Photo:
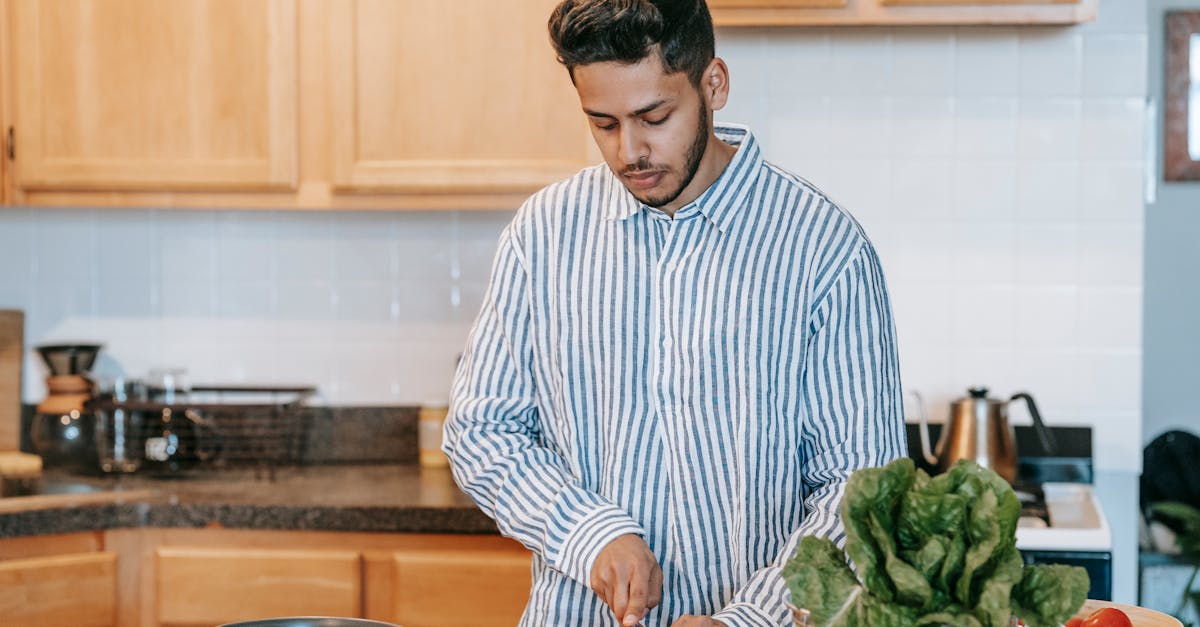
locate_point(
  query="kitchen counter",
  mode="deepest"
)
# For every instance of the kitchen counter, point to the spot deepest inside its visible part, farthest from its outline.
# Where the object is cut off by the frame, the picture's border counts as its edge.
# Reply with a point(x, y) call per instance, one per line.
point(374, 498)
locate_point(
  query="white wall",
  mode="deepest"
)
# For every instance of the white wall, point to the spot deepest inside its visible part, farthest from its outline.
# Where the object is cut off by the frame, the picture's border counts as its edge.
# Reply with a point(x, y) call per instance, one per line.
point(371, 307)
point(998, 170)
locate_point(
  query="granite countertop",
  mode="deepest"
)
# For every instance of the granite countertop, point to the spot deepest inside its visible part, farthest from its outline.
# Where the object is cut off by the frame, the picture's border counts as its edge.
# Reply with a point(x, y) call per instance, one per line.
point(375, 498)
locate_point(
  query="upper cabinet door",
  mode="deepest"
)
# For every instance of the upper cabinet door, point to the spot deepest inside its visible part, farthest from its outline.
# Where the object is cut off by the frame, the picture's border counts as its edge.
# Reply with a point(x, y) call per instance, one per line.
point(460, 97)
point(151, 95)
point(899, 12)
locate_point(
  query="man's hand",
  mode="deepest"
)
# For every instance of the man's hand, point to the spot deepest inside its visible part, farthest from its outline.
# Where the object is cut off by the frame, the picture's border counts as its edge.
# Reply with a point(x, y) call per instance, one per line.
point(687, 620)
point(627, 577)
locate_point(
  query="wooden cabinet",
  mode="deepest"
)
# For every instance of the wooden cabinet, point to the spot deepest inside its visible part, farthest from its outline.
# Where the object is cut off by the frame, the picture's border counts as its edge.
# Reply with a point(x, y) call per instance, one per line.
point(321, 104)
point(144, 94)
point(5, 113)
point(899, 12)
point(57, 580)
point(188, 577)
point(465, 586)
point(202, 585)
point(286, 103)
point(436, 97)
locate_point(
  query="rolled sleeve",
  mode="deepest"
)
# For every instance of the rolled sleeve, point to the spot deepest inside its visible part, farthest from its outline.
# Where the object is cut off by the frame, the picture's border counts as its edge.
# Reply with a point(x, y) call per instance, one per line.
point(493, 437)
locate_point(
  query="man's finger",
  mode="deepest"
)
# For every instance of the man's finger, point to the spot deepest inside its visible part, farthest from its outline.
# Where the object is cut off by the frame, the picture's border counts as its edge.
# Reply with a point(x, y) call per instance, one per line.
point(601, 587)
point(654, 596)
point(636, 608)
point(620, 595)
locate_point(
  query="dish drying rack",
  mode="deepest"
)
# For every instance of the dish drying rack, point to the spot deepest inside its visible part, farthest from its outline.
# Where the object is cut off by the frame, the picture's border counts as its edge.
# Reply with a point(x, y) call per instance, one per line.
point(258, 426)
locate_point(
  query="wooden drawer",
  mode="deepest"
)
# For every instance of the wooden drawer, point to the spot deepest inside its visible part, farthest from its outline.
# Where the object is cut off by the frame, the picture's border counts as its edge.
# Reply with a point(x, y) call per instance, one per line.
point(207, 586)
point(77, 589)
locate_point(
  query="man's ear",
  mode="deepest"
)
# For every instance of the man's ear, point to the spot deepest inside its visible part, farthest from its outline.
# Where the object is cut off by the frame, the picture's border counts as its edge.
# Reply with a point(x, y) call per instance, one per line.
point(714, 84)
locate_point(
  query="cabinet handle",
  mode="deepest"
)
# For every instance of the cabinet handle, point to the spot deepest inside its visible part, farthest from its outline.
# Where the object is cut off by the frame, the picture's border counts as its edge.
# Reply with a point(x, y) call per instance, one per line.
point(12, 145)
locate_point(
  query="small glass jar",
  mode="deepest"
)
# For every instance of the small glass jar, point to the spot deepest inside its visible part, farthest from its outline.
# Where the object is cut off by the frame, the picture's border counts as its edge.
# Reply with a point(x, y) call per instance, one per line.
point(119, 426)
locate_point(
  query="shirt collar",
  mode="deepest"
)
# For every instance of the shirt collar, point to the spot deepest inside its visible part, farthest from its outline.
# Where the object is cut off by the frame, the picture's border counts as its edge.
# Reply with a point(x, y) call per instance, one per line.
point(722, 200)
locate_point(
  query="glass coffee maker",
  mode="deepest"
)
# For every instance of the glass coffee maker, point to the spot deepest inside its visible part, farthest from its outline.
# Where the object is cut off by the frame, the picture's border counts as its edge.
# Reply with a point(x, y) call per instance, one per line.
point(63, 429)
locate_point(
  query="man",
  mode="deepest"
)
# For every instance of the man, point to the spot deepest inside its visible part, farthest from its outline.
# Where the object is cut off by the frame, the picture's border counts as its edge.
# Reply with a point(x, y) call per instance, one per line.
point(683, 353)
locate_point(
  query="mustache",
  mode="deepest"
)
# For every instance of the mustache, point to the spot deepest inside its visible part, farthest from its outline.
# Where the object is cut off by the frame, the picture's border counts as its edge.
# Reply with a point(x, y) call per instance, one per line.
point(642, 166)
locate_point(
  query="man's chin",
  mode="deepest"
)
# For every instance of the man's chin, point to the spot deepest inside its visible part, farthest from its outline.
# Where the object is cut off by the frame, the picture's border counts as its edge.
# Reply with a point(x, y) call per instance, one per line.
point(658, 202)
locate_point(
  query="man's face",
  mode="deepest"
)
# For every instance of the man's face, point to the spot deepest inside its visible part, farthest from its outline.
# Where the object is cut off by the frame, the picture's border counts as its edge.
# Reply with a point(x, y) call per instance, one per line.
point(651, 127)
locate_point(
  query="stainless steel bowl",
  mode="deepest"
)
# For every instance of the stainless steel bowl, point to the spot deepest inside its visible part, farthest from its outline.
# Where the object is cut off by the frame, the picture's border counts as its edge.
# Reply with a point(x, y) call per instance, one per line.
point(310, 621)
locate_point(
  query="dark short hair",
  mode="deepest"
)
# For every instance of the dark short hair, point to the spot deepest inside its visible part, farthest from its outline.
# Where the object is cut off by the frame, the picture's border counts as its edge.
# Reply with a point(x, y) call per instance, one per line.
point(627, 31)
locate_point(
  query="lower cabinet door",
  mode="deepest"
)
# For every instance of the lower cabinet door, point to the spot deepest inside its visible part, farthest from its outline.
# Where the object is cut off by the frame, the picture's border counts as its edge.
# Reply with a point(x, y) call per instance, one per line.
point(210, 586)
point(78, 589)
point(466, 587)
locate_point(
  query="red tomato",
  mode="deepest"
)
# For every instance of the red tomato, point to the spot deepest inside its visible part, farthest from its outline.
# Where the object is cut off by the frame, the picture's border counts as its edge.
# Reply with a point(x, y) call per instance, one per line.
point(1074, 622)
point(1107, 617)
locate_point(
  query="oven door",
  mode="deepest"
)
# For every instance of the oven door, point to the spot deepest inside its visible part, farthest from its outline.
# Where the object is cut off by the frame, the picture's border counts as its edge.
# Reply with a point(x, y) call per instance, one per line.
point(1098, 565)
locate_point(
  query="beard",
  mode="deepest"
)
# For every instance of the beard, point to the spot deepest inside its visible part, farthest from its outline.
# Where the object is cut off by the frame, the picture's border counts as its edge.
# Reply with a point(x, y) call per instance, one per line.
point(692, 163)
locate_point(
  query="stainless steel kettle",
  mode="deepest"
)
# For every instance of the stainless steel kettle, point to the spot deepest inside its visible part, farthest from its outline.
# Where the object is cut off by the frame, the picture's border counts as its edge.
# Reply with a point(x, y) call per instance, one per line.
point(978, 429)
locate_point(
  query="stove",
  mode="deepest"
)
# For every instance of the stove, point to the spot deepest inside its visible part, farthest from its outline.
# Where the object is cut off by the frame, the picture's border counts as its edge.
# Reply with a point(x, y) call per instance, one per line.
point(1061, 517)
point(1063, 523)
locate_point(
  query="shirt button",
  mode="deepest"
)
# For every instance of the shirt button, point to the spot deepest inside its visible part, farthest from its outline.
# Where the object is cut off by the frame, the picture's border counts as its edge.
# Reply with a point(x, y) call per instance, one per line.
point(666, 342)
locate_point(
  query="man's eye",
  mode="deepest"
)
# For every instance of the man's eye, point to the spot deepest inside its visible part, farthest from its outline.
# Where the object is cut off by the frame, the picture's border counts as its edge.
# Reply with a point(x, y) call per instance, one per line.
point(658, 121)
point(606, 127)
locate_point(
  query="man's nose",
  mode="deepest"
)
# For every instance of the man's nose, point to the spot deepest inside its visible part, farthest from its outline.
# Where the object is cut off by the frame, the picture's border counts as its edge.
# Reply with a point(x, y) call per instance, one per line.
point(633, 146)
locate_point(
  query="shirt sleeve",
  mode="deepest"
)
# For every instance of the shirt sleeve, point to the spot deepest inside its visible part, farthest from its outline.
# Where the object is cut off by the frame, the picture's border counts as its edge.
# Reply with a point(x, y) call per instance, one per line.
point(855, 419)
point(493, 436)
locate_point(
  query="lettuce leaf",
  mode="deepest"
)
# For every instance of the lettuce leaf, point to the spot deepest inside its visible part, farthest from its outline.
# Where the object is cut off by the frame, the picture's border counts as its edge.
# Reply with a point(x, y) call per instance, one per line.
point(1049, 594)
point(820, 581)
point(874, 491)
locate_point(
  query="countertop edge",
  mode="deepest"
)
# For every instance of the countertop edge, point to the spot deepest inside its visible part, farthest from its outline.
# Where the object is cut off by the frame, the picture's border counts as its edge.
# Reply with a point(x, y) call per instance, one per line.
point(143, 514)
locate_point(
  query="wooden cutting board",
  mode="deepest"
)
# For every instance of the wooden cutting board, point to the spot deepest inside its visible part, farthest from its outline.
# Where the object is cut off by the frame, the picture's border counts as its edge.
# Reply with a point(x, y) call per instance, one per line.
point(12, 352)
point(1139, 616)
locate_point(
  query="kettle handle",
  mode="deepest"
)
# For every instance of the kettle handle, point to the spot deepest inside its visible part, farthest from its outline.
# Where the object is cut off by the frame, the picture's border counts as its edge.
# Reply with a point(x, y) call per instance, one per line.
point(926, 450)
point(1047, 438)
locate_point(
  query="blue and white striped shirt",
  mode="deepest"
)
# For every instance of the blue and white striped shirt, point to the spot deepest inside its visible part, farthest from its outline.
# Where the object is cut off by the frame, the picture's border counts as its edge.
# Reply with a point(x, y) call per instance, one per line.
point(708, 381)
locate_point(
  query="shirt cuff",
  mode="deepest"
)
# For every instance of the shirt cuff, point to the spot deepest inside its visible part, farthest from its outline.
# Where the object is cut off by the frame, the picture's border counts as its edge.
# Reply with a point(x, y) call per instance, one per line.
point(746, 615)
point(590, 529)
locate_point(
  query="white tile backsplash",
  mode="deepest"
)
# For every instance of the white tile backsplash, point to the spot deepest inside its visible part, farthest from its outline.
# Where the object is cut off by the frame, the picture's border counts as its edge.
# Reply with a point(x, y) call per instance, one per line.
point(997, 169)
point(1048, 192)
point(1111, 128)
point(984, 316)
point(1111, 256)
point(985, 190)
point(1110, 318)
point(987, 62)
point(922, 62)
point(1051, 61)
point(985, 127)
point(1114, 64)
point(988, 253)
point(799, 64)
point(1047, 255)
point(860, 62)
point(1111, 193)
point(1047, 317)
point(860, 126)
point(1049, 128)
point(921, 189)
point(64, 246)
point(927, 129)
point(127, 247)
